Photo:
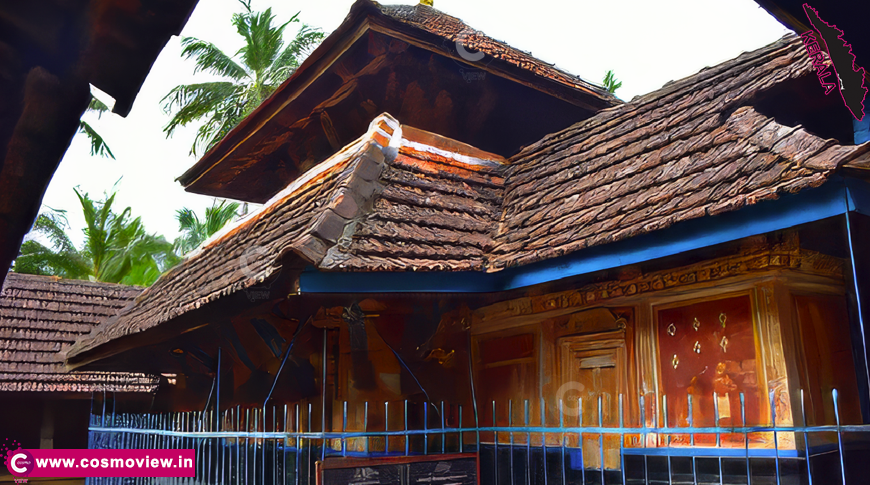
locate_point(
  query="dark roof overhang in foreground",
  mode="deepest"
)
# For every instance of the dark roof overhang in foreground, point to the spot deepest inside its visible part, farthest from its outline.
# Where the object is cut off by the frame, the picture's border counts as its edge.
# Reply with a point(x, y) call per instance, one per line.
point(50, 53)
point(849, 16)
point(424, 67)
point(702, 161)
point(41, 317)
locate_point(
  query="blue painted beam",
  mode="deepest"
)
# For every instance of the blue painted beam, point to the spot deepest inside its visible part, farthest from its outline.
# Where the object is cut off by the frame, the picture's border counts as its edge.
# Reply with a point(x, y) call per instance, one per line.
point(835, 197)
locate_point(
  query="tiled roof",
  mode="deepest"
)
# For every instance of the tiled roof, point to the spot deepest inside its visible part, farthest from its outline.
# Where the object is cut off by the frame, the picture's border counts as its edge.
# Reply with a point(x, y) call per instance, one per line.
point(437, 209)
point(452, 29)
point(692, 149)
point(40, 317)
point(308, 217)
point(276, 122)
point(401, 199)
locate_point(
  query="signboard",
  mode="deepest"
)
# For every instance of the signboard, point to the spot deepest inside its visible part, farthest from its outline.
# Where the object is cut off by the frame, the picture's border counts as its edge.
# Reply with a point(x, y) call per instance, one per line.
point(458, 469)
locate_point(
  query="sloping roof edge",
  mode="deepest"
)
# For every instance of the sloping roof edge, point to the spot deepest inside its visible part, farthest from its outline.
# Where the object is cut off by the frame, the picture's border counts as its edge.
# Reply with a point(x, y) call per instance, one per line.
point(355, 169)
point(365, 15)
point(40, 317)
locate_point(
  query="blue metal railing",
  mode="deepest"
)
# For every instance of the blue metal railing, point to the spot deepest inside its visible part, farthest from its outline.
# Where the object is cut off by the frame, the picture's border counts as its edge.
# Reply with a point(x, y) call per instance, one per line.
point(239, 446)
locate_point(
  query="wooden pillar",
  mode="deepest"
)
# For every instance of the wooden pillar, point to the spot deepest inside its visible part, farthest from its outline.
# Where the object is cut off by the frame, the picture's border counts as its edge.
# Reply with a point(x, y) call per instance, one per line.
point(857, 277)
point(46, 429)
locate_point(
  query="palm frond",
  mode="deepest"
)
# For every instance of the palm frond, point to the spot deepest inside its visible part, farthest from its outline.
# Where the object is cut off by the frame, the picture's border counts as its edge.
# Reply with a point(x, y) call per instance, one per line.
point(60, 259)
point(195, 231)
point(97, 106)
point(34, 258)
point(216, 128)
point(262, 64)
point(219, 214)
point(98, 217)
point(98, 145)
point(194, 101)
point(209, 58)
point(53, 225)
point(286, 63)
point(263, 41)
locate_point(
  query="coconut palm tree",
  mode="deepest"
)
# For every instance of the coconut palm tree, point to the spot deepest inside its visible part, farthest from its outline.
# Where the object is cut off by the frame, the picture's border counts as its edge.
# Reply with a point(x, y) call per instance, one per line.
point(252, 75)
point(117, 249)
point(195, 231)
point(98, 145)
point(60, 259)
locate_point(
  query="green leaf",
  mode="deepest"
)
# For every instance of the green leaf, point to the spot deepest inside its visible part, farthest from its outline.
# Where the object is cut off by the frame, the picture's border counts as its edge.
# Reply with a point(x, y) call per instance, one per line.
point(252, 74)
point(97, 106)
point(210, 58)
point(98, 145)
point(195, 231)
point(610, 82)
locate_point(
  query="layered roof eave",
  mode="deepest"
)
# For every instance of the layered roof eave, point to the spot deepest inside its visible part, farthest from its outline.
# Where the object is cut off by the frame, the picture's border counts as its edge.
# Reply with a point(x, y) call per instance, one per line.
point(366, 15)
point(40, 318)
point(415, 201)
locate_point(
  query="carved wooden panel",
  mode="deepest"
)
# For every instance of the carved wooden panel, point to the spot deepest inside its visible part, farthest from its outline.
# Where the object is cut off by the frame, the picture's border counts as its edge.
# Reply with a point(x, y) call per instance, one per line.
point(704, 348)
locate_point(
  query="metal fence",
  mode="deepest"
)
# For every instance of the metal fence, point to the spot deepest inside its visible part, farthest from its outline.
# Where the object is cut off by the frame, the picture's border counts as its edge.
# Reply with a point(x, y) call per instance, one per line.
point(280, 445)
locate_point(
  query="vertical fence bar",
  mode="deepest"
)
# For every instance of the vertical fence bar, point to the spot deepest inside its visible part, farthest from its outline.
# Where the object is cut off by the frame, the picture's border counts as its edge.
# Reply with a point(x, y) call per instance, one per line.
point(511, 436)
point(274, 446)
point(718, 433)
point(386, 427)
point(211, 447)
point(836, 396)
point(580, 439)
point(284, 447)
point(257, 420)
point(426, 428)
point(298, 442)
point(224, 449)
point(366, 426)
point(562, 437)
point(323, 360)
point(622, 439)
point(692, 438)
point(443, 435)
point(461, 437)
point(407, 436)
point(667, 438)
point(495, 444)
point(745, 438)
point(308, 457)
point(775, 441)
point(544, 437)
point(344, 429)
point(601, 438)
point(528, 443)
point(238, 446)
point(806, 439)
point(247, 441)
point(642, 405)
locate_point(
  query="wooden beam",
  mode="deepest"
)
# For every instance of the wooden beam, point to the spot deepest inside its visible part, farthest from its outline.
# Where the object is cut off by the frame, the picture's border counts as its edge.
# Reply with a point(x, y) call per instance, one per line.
point(329, 131)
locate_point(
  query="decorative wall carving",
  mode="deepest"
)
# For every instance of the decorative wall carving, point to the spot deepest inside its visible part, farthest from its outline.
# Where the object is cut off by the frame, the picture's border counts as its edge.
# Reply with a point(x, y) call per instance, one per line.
point(758, 255)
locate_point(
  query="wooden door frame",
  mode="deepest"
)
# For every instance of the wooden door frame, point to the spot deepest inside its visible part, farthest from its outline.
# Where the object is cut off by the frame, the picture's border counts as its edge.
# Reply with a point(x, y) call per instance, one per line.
point(570, 345)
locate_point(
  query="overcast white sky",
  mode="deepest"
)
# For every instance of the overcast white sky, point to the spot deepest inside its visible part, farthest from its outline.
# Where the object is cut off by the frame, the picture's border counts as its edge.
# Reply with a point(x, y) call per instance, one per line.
point(646, 43)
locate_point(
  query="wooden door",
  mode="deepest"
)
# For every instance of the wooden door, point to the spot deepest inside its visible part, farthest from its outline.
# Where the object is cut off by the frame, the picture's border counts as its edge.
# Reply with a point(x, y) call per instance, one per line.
point(596, 371)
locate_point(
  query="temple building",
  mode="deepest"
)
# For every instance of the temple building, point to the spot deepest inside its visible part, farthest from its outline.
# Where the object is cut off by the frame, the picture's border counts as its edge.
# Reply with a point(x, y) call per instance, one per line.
point(472, 266)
